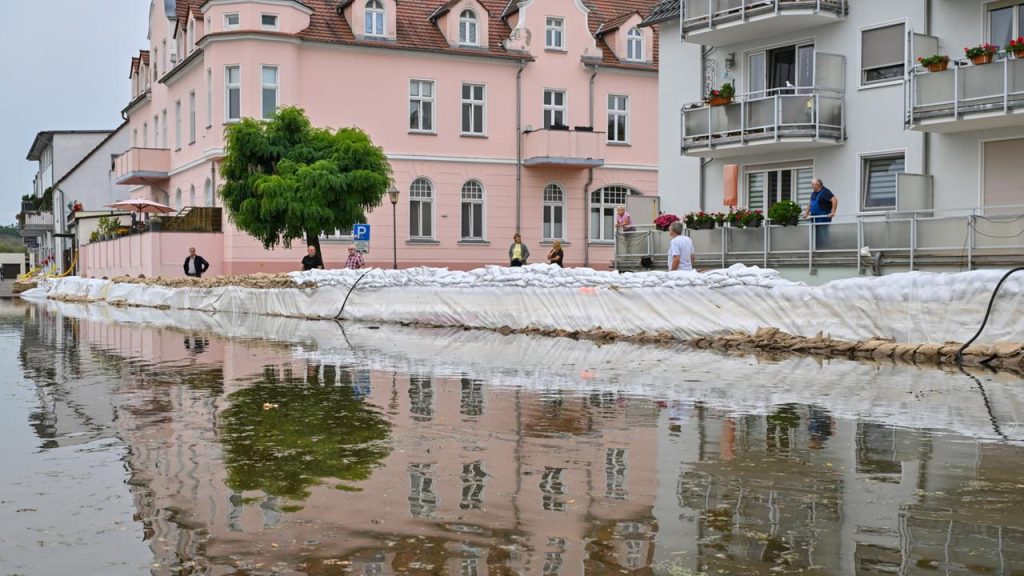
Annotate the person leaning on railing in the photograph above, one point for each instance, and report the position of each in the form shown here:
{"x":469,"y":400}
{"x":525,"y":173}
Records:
{"x":821,"y":210}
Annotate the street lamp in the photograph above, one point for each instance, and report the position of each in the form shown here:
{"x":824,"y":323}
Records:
{"x":393,"y":196}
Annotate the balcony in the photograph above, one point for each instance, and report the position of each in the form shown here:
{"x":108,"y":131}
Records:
{"x":724,"y":22}
{"x":35,"y":223}
{"x":772,"y":121}
{"x":142,"y":166}
{"x":562,"y":148}
{"x":966,"y":97}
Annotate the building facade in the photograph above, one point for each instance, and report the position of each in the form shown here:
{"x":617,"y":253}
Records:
{"x":497,"y":116}
{"x":920,"y":161}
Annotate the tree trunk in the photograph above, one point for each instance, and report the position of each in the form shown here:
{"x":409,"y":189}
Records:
{"x":313,"y":239}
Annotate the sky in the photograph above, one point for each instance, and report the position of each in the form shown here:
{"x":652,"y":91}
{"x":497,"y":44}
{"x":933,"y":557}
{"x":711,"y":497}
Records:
{"x":64,"y":67}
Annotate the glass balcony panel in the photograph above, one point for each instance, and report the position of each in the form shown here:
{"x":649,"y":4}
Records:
{"x":935,"y":88}
{"x":789,"y":238}
{"x":749,"y":240}
{"x":830,"y":111}
{"x":942,"y":234}
{"x":981,"y":82}
{"x":840,"y":236}
{"x":725,"y":118}
{"x":887,"y":234}
{"x":829,"y":72}
{"x":797,"y":109}
{"x":696,"y":122}
{"x":761,"y":113}
{"x":708,"y":240}
{"x":697,"y":9}
{"x":1016,"y":76}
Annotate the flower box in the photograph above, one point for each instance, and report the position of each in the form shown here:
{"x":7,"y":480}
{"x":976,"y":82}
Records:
{"x":719,"y":100}
{"x":983,"y":59}
{"x":939,"y":67}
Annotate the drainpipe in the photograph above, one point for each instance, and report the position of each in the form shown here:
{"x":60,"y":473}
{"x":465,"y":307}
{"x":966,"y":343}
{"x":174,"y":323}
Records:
{"x":586,"y":217}
{"x":519,"y":142}
{"x":926,"y":147}
{"x":592,"y":78}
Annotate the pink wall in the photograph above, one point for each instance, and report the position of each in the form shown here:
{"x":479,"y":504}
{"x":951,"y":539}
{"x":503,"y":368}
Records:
{"x":152,"y":254}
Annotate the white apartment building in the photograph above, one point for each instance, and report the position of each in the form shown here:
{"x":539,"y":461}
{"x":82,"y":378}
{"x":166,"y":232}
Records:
{"x":924,"y":164}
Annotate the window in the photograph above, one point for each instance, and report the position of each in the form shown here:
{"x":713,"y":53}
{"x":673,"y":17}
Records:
{"x":879,"y":182}
{"x":177,"y":199}
{"x":616,"y":469}
{"x":421,"y":105}
{"x":231,"y":21}
{"x":135,"y":137}
{"x":1002,"y":172}
{"x":468,"y":28}
{"x":163,"y":52}
{"x":156,"y":131}
{"x":472,"y":109}
{"x":177,"y":124}
{"x":163,"y":141}
{"x":374,"y":24}
{"x":192,"y":195}
{"x":208,"y":193}
{"x":767,"y":186}
{"x":192,"y":117}
{"x":472,"y":211}
{"x":233,"y":92}
{"x":603,"y":203}
{"x":421,"y":200}
{"x":635,"y":45}
{"x":156,"y":63}
{"x":882,"y":54}
{"x":268,"y":21}
{"x":554,"y":108}
{"x":209,"y":97}
{"x":1005,"y":21}
{"x":422,"y":496}
{"x":618,"y":119}
{"x":191,"y":35}
{"x":554,"y":33}
{"x":552,"y":488}
{"x":473,"y":483}
{"x":554,"y":213}
{"x":145,"y":135}
{"x":782,"y":70}
{"x":269,"y":79}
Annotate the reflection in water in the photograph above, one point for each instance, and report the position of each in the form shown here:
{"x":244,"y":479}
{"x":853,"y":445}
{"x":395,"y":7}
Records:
{"x":391,"y":455}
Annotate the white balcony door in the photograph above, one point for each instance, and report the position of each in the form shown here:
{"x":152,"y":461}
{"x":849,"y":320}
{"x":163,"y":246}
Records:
{"x":767,"y":186}
{"x":1003,"y":173}
{"x":782,"y":70}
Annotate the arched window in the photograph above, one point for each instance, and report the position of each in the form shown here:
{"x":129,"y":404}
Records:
{"x":468,"y":28}
{"x":635,"y":45}
{"x":421,"y":214}
{"x":602,"y":210}
{"x":192,"y":195}
{"x":208,"y":193}
{"x":554,"y":213}
{"x":177,"y":199}
{"x":472,"y":211}
{"x":374,"y":24}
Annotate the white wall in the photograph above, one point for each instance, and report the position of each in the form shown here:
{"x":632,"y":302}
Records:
{"x":69,"y":149}
{"x":678,"y":82}
{"x":92,"y":182}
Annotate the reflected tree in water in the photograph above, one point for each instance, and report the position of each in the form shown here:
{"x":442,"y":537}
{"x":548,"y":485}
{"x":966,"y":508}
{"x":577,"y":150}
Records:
{"x":283,"y":435}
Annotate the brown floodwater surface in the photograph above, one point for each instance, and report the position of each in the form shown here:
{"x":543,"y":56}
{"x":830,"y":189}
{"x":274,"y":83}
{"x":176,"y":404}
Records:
{"x":179,"y":443}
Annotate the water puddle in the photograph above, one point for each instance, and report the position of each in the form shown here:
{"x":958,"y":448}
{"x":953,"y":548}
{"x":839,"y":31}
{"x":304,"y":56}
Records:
{"x":183,"y":443}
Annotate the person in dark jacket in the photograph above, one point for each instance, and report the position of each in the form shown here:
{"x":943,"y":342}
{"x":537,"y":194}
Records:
{"x":312,"y":260}
{"x":195,"y":264}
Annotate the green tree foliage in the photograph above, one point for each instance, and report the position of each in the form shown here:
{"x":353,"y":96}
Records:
{"x":286,"y":179}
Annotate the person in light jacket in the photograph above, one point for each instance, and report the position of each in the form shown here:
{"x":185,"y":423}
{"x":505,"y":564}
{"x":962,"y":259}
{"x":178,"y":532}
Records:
{"x":518,"y":253}
{"x":195,"y":264}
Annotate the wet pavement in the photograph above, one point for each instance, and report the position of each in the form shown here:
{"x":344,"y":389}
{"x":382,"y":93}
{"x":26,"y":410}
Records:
{"x":144,"y":441}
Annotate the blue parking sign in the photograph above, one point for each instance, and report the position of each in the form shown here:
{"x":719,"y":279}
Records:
{"x":361,"y":232}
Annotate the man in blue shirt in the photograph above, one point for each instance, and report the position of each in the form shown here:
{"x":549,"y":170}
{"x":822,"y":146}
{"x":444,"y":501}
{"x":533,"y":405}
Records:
{"x":821,"y":210}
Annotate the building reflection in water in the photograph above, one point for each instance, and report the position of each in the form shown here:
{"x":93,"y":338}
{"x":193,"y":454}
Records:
{"x":246,"y":455}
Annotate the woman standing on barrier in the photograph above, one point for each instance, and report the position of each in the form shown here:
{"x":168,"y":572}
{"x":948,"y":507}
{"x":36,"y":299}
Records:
{"x":518,"y":253}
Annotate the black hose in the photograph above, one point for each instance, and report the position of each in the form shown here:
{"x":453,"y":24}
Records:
{"x":354,"y":284}
{"x":960,"y":353}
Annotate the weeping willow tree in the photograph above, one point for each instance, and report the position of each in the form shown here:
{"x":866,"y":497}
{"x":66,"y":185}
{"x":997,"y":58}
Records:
{"x":285,"y":179}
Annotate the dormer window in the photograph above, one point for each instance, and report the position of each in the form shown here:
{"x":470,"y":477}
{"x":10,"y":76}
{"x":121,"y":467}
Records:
{"x":374,"y":24}
{"x":268,"y":21}
{"x":231,"y":21}
{"x":191,"y":35}
{"x":635,"y":45}
{"x":468,"y":28}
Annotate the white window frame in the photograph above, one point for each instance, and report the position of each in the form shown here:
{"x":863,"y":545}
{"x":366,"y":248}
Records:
{"x":617,"y":116}
{"x":377,"y":18}
{"x":635,"y":45}
{"x":178,"y":199}
{"x":208,"y":193}
{"x":472,"y":103}
{"x":421,"y":197}
{"x":554,"y":33}
{"x":421,"y":100}
{"x":177,"y":124}
{"x":1017,"y":26}
{"x":864,"y":178}
{"x":469,"y":28}
{"x":191,"y":31}
{"x":227,"y":21}
{"x":156,"y":131}
{"x":860,"y":56}
{"x":209,"y":97}
{"x":275,"y":26}
{"x":192,"y":195}
{"x":145,"y":136}
{"x":264,"y":86}
{"x":228,"y":87}
{"x":192,"y":117}
{"x":765,"y":169}
{"x":549,"y":205}
{"x":473,"y":201}
{"x":606,"y":207}
{"x":551,"y":109}
{"x":156,"y":63}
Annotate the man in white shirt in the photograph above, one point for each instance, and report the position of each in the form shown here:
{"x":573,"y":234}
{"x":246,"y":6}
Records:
{"x":680,"y":249}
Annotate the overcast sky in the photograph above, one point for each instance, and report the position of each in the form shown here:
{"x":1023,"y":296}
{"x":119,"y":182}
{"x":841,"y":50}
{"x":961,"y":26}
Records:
{"x":64,"y":67}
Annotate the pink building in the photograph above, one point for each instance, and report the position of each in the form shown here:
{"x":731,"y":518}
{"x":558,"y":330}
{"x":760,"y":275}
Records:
{"x":497,"y":116}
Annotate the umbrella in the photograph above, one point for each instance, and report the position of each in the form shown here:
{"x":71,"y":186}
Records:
{"x":141,"y":205}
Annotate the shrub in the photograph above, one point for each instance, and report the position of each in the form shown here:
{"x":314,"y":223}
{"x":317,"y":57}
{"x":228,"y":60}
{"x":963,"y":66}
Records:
{"x":785,"y":212}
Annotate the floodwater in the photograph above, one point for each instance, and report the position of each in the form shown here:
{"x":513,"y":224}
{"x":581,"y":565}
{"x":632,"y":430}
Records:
{"x":145,"y":441}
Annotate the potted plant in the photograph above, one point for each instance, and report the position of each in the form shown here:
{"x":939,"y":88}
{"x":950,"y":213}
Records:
{"x":981,"y":54}
{"x":663,"y":221}
{"x":1016,"y":46}
{"x":752,"y":218}
{"x":720,"y":218}
{"x":936,"y":62}
{"x":785,"y":212}
{"x":94,"y":236}
{"x":721,"y":95}
{"x":699,"y":221}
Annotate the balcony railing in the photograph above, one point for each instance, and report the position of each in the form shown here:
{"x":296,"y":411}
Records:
{"x":966,"y":96}
{"x":774,"y":120}
{"x":142,"y":166}
{"x":37,"y":222}
{"x":890,"y":240}
{"x":724,"y":22}
{"x":562,"y":147}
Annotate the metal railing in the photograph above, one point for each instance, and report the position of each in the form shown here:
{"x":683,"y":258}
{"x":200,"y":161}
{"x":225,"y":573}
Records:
{"x":710,"y":13}
{"x":964,"y":89}
{"x":962,"y":235}
{"x":766,"y":115}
